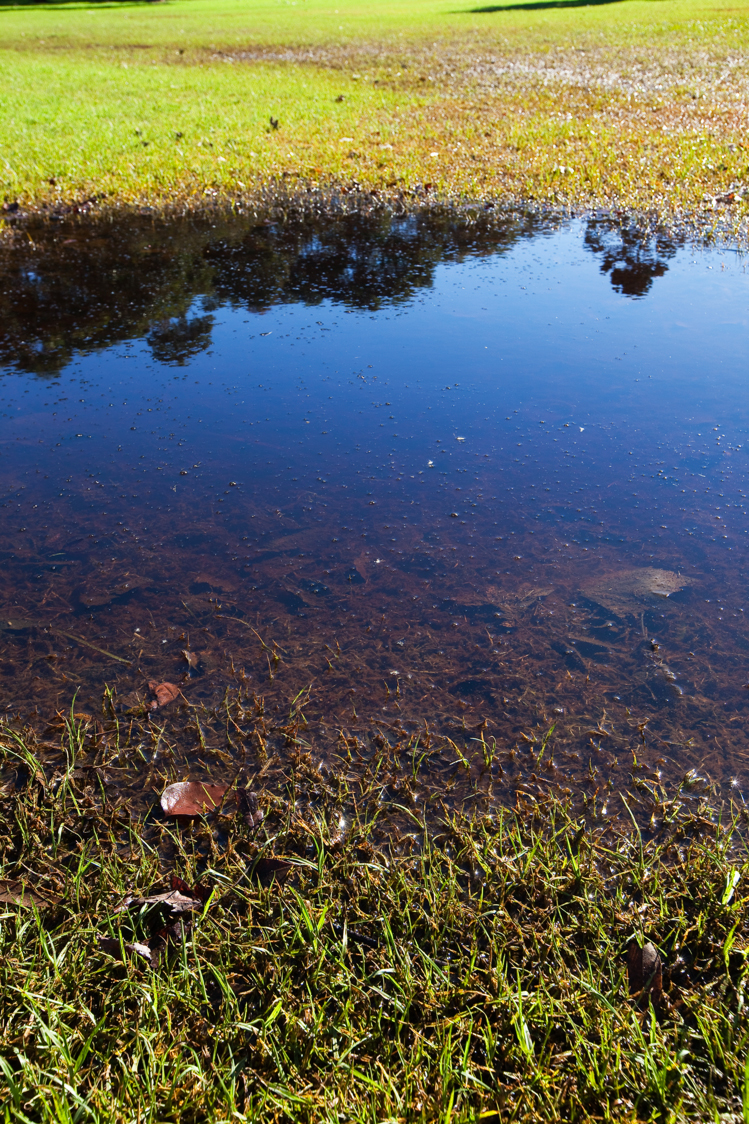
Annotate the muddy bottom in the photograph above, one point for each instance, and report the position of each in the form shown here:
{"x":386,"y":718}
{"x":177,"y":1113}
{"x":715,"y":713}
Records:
{"x":473,"y":490}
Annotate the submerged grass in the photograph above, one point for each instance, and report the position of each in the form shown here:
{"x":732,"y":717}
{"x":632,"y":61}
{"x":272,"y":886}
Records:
{"x":640,"y":105}
{"x":465,"y":968}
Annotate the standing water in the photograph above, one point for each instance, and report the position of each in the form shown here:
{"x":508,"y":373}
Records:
{"x":476,"y":489}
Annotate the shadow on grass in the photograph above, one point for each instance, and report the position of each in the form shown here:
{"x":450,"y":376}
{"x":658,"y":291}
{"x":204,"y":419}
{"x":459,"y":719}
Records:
{"x":539,"y":5}
{"x":76,"y":5}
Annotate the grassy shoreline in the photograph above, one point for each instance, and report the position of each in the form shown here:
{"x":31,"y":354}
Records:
{"x":468,"y":968}
{"x":639,"y":105}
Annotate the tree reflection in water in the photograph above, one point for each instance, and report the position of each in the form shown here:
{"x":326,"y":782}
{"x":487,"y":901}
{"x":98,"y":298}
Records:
{"x":631,"y":258}
{"x":88,"y":286}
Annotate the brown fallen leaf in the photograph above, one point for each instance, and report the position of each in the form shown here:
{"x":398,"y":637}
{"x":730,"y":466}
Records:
{"x":360,"y":565}
{"x":627,"y":591}
{"x":268,"y":868}
{"x":114,"y":948}
{"x":249,"y":807}
{"x":173,"y":934}
{"x":199,"y":891}
{"x":16,"y":892}
{"x":164,"y":692}
{"x":192,"y":798}
{"x":645,"y":971}
{"x":170,"y":899}
{"x":191,"y":657}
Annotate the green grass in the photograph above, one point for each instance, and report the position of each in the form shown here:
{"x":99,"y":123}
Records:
{"x":452,"y":969}
{"x":635,"y":103}
{"x":271,"y":23}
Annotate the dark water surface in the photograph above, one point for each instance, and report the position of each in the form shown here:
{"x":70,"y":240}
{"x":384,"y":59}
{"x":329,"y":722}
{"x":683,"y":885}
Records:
{"x":460,"y":479}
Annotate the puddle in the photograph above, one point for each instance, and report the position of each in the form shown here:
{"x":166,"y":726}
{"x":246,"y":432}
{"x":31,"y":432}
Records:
{"x":422,"y":482}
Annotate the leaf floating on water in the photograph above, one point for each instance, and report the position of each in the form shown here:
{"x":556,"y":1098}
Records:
{"x":15,"y":892}
{"x":191,"y":657}
{"x":645,"y":971}
{"x":250,"y":808}
{"x":627,"y":590}
{"x":360,"y":565}
{"x":164,"y":692}
{"x":192,"y":798}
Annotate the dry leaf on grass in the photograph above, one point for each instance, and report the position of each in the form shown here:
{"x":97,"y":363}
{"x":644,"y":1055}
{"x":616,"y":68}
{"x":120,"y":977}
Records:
{"x":169,"y":899}
{"x":179,"y":901}
{"x":192,"y":798}
{"x":16,"y":892}
{"x":250,"y":808}
{"x":164,"y":692}
{"x":114,"y":948}
{"x":270,"y":868}
{"x":645,"y":971}
{"x":174,"y":933}
{"x":199,"y":891}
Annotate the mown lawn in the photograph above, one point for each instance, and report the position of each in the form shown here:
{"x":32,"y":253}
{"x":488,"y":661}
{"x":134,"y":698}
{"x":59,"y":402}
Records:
{"x":636,"y":103}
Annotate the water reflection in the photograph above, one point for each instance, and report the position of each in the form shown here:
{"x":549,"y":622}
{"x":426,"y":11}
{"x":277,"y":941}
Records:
{"x":82,"y":288}
{"x":632,"y":259}
{"x":88,"y":286}
{"x":382,"y":478}
{"x":177,"y":340}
